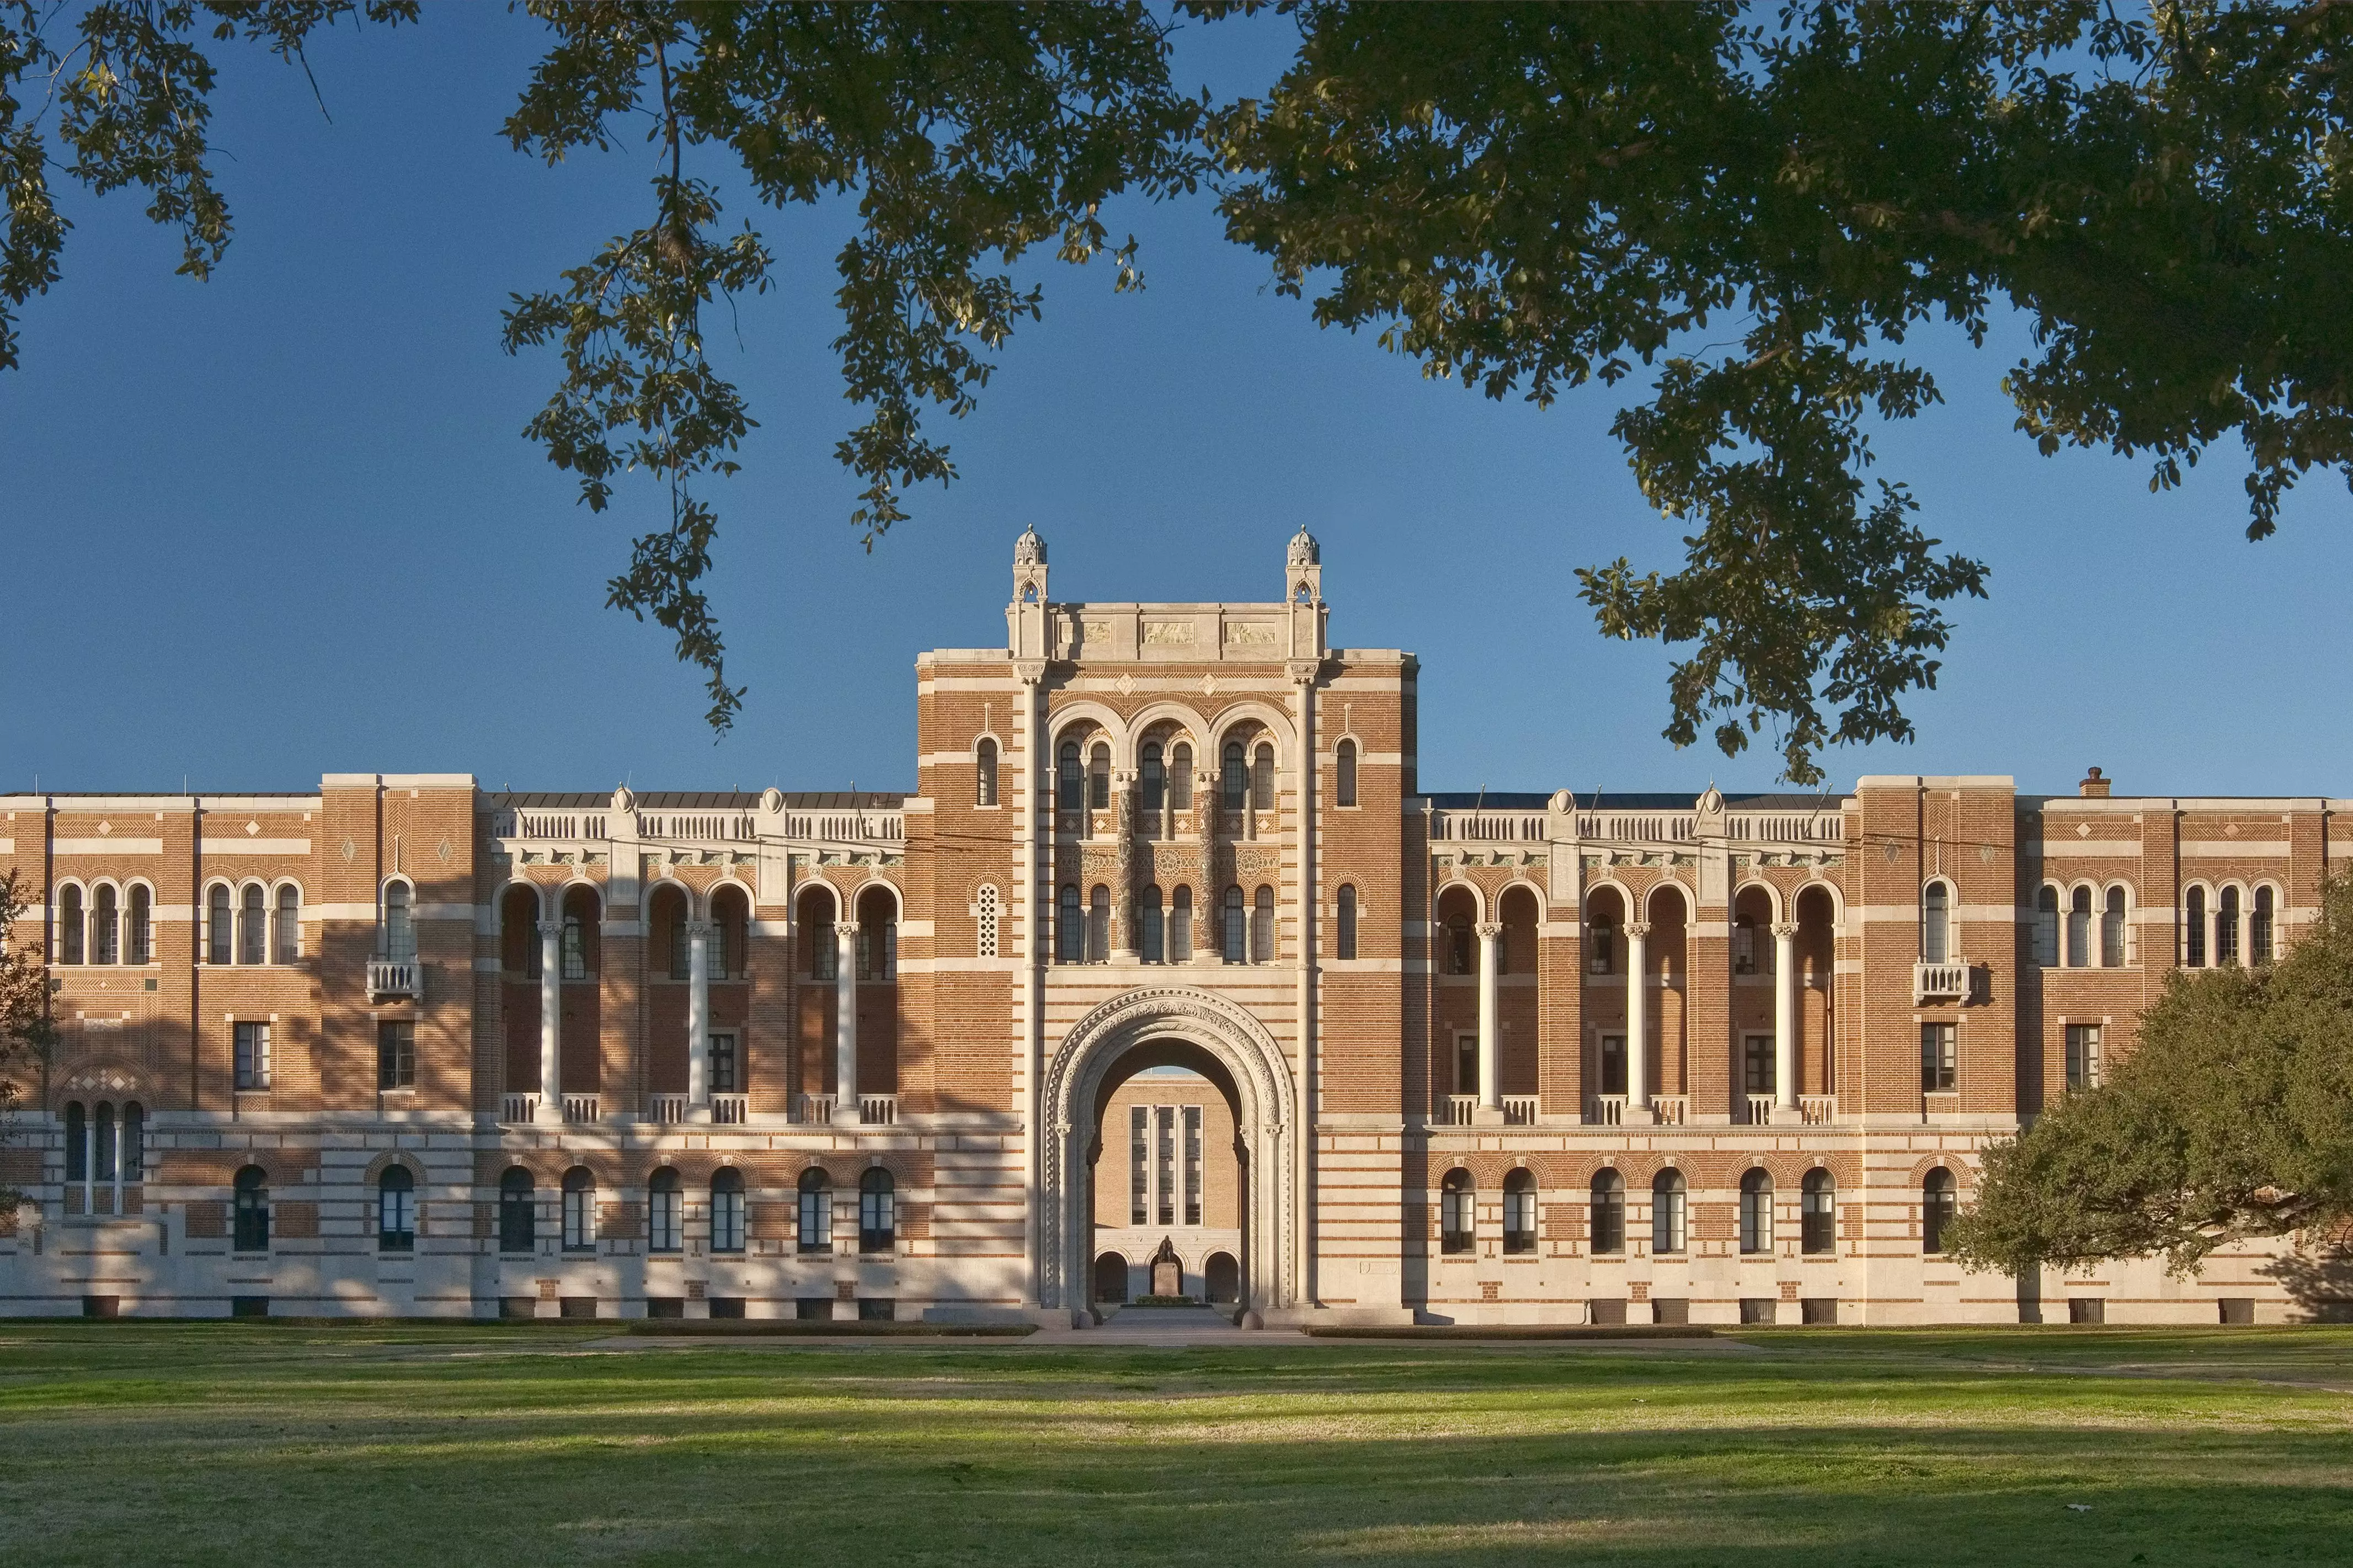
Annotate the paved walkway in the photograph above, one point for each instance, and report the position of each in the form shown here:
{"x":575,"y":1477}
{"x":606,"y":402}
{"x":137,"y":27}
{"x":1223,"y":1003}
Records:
{"x":1165,"y":1326}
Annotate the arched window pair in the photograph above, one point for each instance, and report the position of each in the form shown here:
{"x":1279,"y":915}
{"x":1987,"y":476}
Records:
{"x":1163,"y":777}
{"x":1247,"y":777}
{"x":1082,"y":783}
{"x":1165,"y":937}
{"x":1083,"y":930}
{"x":116,"y":929}
{"x":2262,"y":912}
{"x":2083,"y":909}
{"x":250,"y":927}
{"x":1249,"y":935}
{"x":101,"y":1149}
{"x":878,"y":1217}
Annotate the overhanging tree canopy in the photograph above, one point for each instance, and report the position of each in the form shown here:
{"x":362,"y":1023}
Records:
{"x":1740,"y":213}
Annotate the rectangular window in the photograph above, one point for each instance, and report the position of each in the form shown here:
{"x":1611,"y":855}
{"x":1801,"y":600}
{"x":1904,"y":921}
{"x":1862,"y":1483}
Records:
{"x":1937,"y":1074}
{"x":724,"y":1077}
{"x":1756,"y":1062}
{"x":252,"y":1056}
{"x":395,"y":1054}
{"x":1613,"y":1064}
{"x":2082,"y":1056}
{"x":1466,"y":1064}
{"x":1138,"y":1178}
{"x":1165,"y":1161}
{"x":821,"y":951}
{"x":1192,"y":1164}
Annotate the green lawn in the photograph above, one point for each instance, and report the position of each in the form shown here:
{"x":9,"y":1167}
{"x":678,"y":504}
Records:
{"x":234,"y":1443}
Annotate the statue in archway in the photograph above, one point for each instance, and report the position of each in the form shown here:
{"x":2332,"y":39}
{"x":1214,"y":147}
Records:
{"x":1167,"y":1271}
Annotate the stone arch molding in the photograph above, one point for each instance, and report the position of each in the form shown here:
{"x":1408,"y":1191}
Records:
{"x":1268,"y":1124}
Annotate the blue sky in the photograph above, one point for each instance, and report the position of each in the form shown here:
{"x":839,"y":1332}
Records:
{"x":284,"y":522}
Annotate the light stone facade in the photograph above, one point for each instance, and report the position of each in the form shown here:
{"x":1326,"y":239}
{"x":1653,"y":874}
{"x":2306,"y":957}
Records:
{"x":821,"y":1054}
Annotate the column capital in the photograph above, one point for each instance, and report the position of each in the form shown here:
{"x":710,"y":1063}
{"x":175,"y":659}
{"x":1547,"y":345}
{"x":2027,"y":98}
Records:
{"x":1489,"y":930}
{"x":1303,"y":672}
{"x":698,"y":928}
{"x":1029,"y":671}
{"x":1638,"y":929}
{"x":1783,"y":931}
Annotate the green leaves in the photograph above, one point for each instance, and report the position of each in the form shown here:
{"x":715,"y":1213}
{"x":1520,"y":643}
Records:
{"x":2231,"y":1117}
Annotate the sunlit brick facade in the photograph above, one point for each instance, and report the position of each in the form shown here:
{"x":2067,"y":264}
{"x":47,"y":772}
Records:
{"x":402,"y":1045}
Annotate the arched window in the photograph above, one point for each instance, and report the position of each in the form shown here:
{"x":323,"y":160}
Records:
{"x":219,"y":939}
{"x":2112,"y":931}
{"x":1344,"y":773}
{"x":288,"y":934}
{"x":1601,"y":945}
{"x":1457,"y":1208}
{"x":1938,"y":1205}
{"x":1817,"y":1218}
{"x":1180,"y":927}
{"x":103,"y":928}
{"x":1343,"y":932}
{"x":1756,"y":1212}
{"x":731,"y":933}
{"x":1070,"y":927}
{"x":878,"y":1219}
{"x":1222,"y":1278}
{"x":71,"y":930}
{"x":1262,"y":778}
{"x":1237,"y":933}
{"x":77,"y":1142}
{"x":134,"y":1143}
{"x":665,"y":1212}
{"x":251,"y":1219}
{"x":1667,"y":1212}
{"x":988,"y":910}
{"x":2079,"y":928}
{"x":518,"y":1212}
{"x":2046,"y":927}
{"x":1935,"y":928}
{"x":1098,"y":925}
{"x":1520,"y":1211}
{"x":878,"y":939}
{"x":1180,"y":777}
{"x":579,"y":1210}
{"x":727,"y":1210}
{"x":1262,"y":928}
{"x":1098,"y":777}
{"x":1461,"y":953}
{"x":396,"y":1210}
{"x":1153,"y":934}
{"x":399,"y":923}
{"x":816,"y":1233}
{"x":253,"y":1211}
{"x":138,"y":934}
{"x":1606,"y":1219}
{"x":1152,"y":778}
{"x":1234,"y":779}
{"x":986,"y":755}
{"x":2226,"y":927}
{"x":108,"y":1150}
{"x":2193,"y":929}
{"x":253,"y":926}
{"x":682,"y":938}
{"x":2259,"y":928}
{"x":1070,"y":787}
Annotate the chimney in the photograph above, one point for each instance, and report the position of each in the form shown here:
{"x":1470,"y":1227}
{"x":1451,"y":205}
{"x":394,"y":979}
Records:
{"x":2093,"y":786}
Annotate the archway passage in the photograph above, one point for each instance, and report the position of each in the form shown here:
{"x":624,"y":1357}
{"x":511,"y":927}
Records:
{"x":1217,"y":1043}
{"x":1166,"y":1170}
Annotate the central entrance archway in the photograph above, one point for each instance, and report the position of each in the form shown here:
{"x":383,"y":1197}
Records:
{"x":1176,"y":1024}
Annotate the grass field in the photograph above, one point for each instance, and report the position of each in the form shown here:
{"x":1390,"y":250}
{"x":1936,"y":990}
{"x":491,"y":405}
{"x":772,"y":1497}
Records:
{"x":237,"y":1443}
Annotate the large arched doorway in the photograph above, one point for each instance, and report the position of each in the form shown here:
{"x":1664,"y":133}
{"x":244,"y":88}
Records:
{"x":1182,"y":1027}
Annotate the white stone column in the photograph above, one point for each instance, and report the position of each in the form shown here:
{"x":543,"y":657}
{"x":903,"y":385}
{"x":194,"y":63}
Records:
{"x":1490,"y":1077}
{"x":1638,"y":1021}
{"x":1037,"y":850}
{"x":846,"y":1107}
{"x":1784,"y":1019}
{"x":551,"y":1019}
{"x":698,"y":1019}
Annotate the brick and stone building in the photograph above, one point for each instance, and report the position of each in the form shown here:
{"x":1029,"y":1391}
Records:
{"x":402,"y":1045}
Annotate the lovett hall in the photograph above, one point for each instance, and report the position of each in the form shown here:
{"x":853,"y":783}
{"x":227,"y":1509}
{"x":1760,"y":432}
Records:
{"x":1170,"y":971}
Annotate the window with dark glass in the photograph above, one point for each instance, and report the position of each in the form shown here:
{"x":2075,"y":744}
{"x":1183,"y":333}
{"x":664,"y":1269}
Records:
{"x":1234,"y":778}
{"x":1938,"y":1067}
{"x":396,"y":1210}
{"x":878,"y":1214}
{"x":2046,"y":928}
{"x":1818,"y":1216}
{"x":2082,"y":1056}
{"x":1457,"y":1211}
{"x":290,"y":925}
{"x":1151,"y":932}
{"x":726,"y":1068}
{"x":103,"y":928}
{"x":1262,"y":928}
{"x":1344,"y":775}
{"x":1936,"y":913}
{"x":2112,"y":931}
{"x":574,"y":949}
{"x":1613,"y":1064}
{"x":1667,"y":1194}
{"x":2193,"y":929}
{"x":1152,"y":778}
{"x":1098,"y":925}
{"x":727,"y":1210}
{"x":1139,"y":1165}
{"x":2079,"y":928}
{"x":138,"y":937}
{"x":1098,"y":777}
{"x":1180,"y":927}
{"x":252,"y":1045}
{"x":1237,"y":934}
{"x":219,"y":937}
{"x":1755,"y":1212}
{"x":2259,"y":928}
{"x":1607,"y":1215}
{"x":1461,"y":949}
{"x":71,"y":930}
{"x":1939,"y":1203}
{"x":251,"y":1210}
{"x":1344,"y":928}
{"x":579,"y":1210}
{"x":399,"y":923}
{"x":252,"y":926}
{"x":1192,"y":1164}
{"x":395,"y":1052}
{"x":77,"y":1142}
{"x":1069,"y":779}
{"x":987,"y":758}
{"x":2226,"y":927}
{"x":518,"y":1211}
{"x":1520,"y":1212}
{"x":665,"y":1212}
{"x":1756,"y":1064}
{"x":816,"y":1230}
{"x":1180,"y":777}
{"x":1262,"y":779}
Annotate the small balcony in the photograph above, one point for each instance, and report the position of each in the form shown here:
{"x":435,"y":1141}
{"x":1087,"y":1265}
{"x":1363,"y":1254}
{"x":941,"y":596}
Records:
{"x":395,"y":977}
{"x":878,"y":1109}
{"x":1605,"y":1110}
{"x":582,"y":1109}
{"x":518,"y":1108}
{"x":1941,"y":981}
{"x":815,"y":1110}
{"x":668,"y":1110}
{"x":729,"y":1110}
{"x":1817,"y":1110}
{"x":1461,"y":1109}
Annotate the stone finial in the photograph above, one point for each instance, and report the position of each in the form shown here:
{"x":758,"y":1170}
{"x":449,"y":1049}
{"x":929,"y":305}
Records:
{"x":622,"y":799}
{"x":1305,"y":551}
{"x":1030,"y":550}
